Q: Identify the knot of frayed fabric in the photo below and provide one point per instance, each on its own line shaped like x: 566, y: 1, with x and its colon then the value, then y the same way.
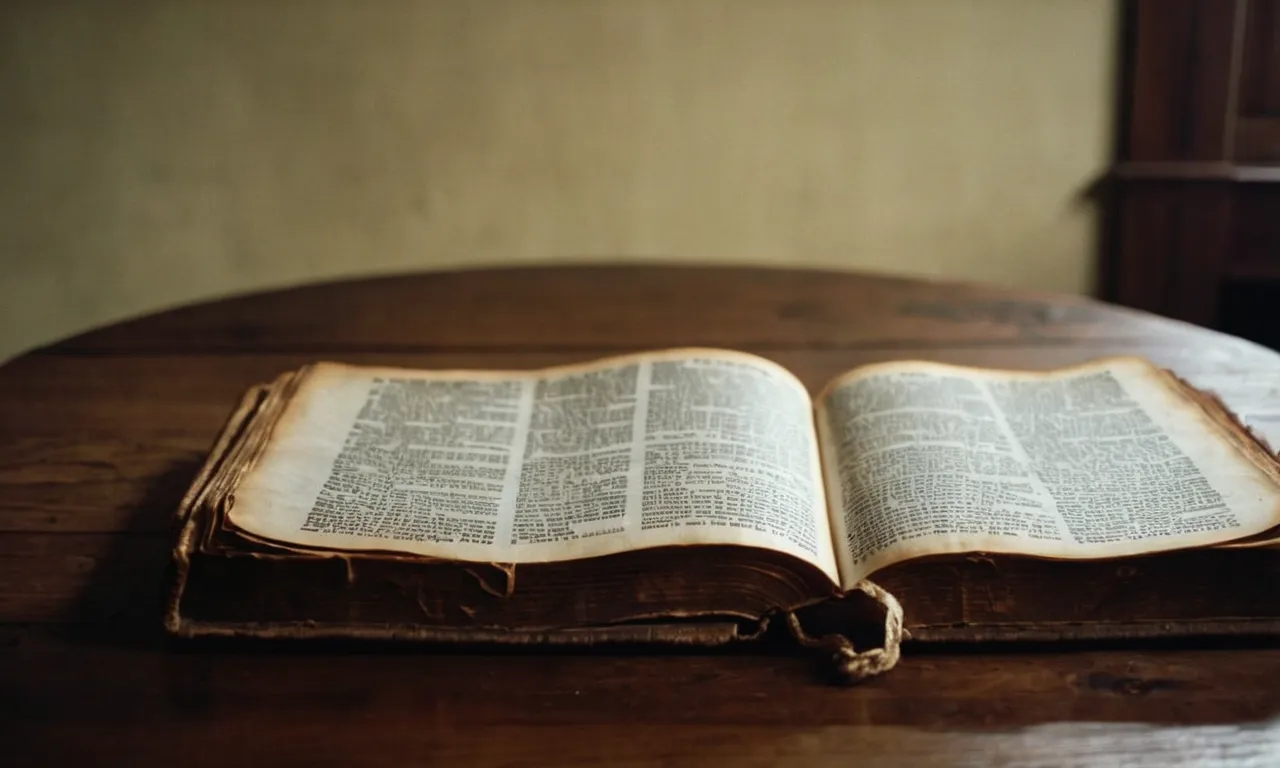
x: 850, y: 664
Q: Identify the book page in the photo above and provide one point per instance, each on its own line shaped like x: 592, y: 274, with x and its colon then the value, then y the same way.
x: 1102, y: 460
x: 667, y: 448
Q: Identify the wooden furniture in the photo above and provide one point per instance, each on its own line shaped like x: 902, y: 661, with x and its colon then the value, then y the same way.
x: 101, y: 434
x: 1197, y: 186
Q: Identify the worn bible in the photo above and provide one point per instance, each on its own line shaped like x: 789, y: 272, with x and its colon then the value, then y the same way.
x: 693, y: 495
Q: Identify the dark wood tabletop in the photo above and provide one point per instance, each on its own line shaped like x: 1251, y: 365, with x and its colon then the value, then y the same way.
x: 100, y: 435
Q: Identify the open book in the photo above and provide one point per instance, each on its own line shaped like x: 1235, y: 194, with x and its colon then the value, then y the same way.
x: 679, y: 487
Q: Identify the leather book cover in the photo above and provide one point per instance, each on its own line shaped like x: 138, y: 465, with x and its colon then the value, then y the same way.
x: 229, y: 589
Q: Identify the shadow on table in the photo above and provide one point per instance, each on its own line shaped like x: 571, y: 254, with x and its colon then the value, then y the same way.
x: 123, y: 600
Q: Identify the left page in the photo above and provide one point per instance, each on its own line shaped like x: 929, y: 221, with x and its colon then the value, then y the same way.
x: 666, y: 448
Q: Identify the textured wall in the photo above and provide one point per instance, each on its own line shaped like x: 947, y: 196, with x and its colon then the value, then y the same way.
x: 162, y: 152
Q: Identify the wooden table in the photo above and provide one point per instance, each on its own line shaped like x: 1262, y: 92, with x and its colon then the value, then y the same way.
x: 102, y: 433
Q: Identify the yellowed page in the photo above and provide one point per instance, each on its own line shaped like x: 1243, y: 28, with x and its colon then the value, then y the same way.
x: 666, y: 448
x: 1101, y: 460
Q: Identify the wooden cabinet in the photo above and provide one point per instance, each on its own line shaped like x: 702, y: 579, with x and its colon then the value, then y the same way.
x: 1195, y: 226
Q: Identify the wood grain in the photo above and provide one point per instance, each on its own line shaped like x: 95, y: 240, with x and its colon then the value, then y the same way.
x: 1199, y: 84
x: 326, y: 705
x: 102, y: 433
x: 1260, y: 78
x: 432, y: 742
x: 137, y: 676
x: 1258, y: 139
x: 611, y: 308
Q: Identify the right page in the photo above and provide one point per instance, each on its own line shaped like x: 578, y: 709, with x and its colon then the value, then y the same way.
x: 1102, y: 460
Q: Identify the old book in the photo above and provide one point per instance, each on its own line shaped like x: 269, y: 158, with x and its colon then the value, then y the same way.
x: 689, y: 496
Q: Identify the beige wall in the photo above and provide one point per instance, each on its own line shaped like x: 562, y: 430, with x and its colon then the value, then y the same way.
x: 162, y: 152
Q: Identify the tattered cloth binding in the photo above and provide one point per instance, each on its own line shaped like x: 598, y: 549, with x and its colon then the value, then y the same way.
x: 698, y: 497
